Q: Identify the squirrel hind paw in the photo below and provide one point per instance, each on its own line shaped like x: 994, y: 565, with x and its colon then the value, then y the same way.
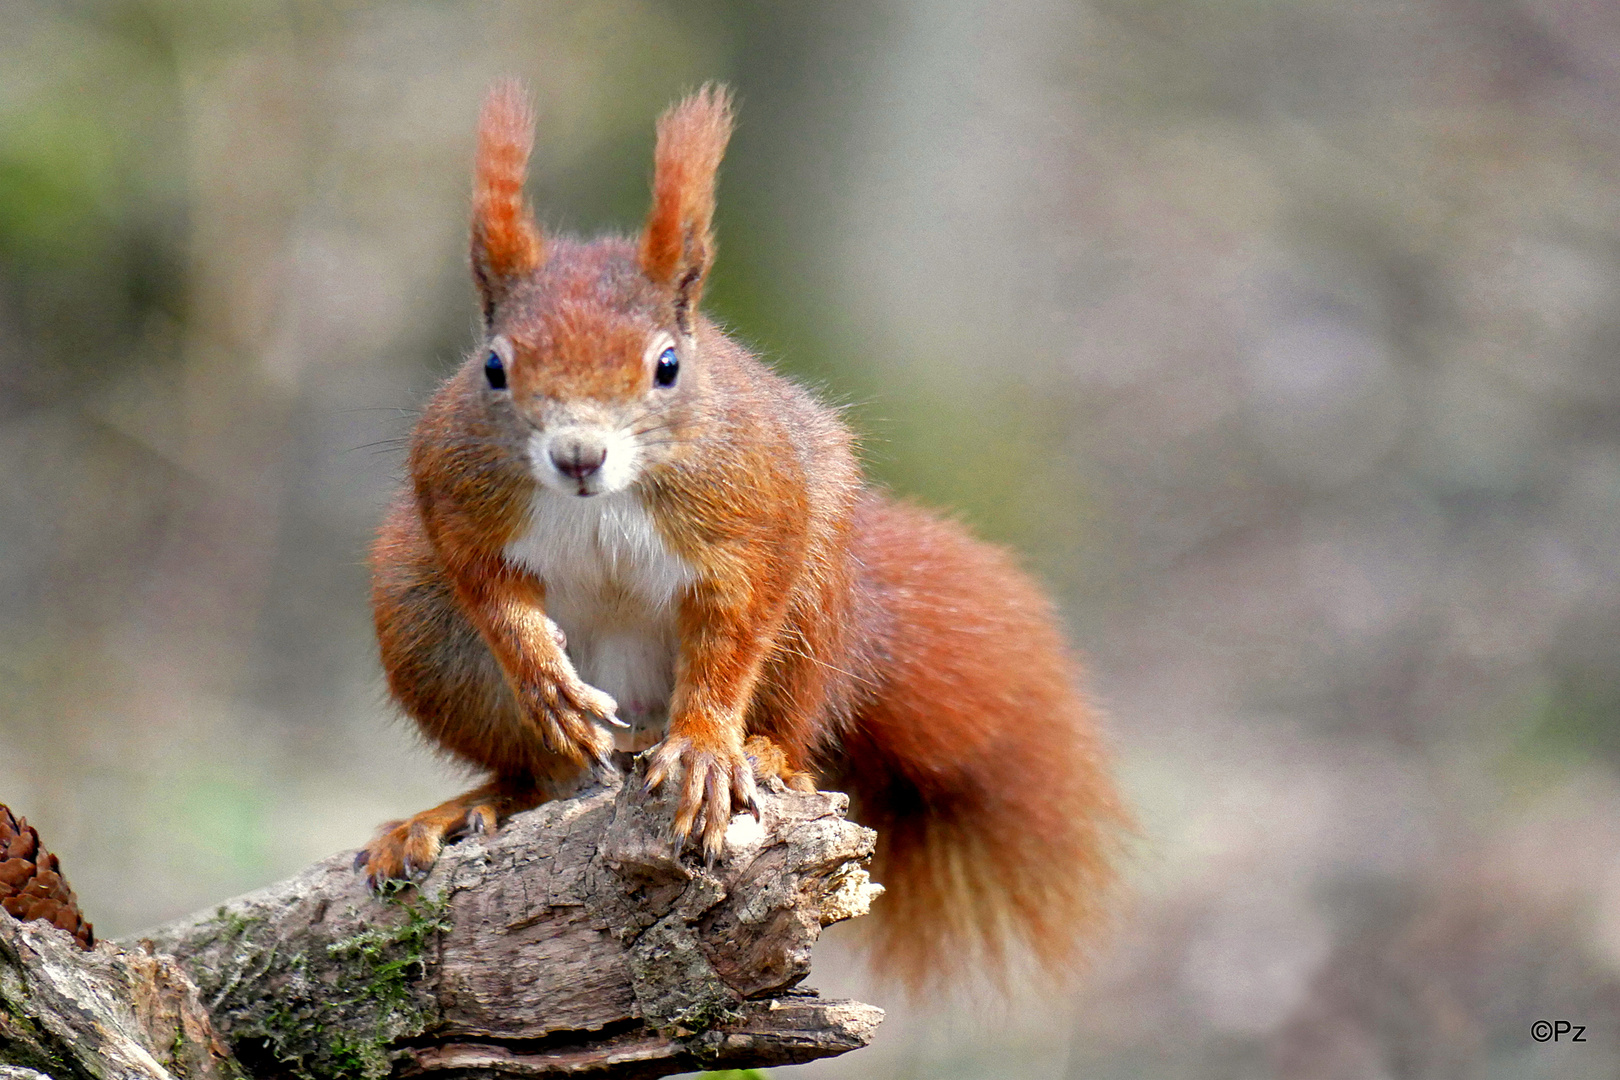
x: 399, y: 854
x: 770, y: 762
x: 407, y: 850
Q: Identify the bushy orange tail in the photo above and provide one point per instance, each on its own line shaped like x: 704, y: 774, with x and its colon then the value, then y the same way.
x: 977, y: 761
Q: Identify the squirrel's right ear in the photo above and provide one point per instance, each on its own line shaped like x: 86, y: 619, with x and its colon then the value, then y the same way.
x: 677, y: 245
x: 506, y: 243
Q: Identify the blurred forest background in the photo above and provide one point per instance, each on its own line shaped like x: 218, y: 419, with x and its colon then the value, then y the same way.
x: 1280, y: 337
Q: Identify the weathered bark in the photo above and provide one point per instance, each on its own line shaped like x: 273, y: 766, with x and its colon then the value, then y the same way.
x: 573, y: 943
x: 68, y: 1014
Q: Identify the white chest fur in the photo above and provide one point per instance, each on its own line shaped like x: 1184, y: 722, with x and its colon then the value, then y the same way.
x: 612, y: 585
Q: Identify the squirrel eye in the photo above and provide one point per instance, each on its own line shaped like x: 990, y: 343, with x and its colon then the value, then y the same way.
x: 669, y: 366
x: 495, y: 371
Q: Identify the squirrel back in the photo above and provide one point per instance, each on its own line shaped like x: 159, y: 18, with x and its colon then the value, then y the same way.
x: 623, y: 531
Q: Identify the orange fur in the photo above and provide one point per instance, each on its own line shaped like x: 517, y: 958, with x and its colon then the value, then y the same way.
x: 821, y: 628
x: 403, y: 846
x: 506, y: 242
x: 978, y: 762
x: 677, y: 245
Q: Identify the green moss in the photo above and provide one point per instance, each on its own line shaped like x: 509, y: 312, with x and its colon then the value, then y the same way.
x: 386, y: 958
x: 705, y: 1014
x: 233, y: 926
x: 177, y: 1048
x: 25, y: 1045
x: 337, y: 1017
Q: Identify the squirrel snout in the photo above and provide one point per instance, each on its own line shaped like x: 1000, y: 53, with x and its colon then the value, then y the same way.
x: 578, y: 458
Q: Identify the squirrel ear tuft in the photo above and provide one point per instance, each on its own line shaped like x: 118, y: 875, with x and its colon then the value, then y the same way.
x: 506, y: 244
x: 677, y: 245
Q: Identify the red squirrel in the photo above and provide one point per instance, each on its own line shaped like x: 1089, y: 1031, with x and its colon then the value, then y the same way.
x: 624, y: 532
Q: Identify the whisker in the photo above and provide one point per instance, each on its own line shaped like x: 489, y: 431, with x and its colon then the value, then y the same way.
x: 648, y: 429
x: 783, y: 647
x: 386, y: 444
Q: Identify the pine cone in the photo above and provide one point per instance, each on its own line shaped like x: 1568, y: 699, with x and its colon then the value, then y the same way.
x: 31, y: 881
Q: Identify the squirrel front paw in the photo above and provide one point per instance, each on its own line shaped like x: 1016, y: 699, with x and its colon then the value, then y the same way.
x: 570, y: 716
x: 718, y: 781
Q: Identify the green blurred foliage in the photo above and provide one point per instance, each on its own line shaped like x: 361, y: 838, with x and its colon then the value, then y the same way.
x: 1578, y: 716
x: 92, y: 217
x: 56, y: 190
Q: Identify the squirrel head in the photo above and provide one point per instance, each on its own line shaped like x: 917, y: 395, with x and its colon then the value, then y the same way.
x: 593, y: 349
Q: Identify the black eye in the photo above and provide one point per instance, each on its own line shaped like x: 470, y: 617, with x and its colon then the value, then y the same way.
x: 495, y: 371
x: 668, y: 367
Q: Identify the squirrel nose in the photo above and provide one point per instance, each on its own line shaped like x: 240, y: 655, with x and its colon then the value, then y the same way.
x: 577, y: 460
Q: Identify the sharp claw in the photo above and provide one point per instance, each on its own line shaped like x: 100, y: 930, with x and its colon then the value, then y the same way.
x: 714, y: 844
x: 616, y: 722
x: 753, y: 806
x: 682, y: 830
x: 655, y: 777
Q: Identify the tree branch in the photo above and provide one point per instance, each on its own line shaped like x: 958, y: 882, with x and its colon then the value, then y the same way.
x: 574, y: 943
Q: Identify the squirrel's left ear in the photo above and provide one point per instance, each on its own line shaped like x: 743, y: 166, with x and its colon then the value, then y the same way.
x: 506, y: 243
x: 677, y: 245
